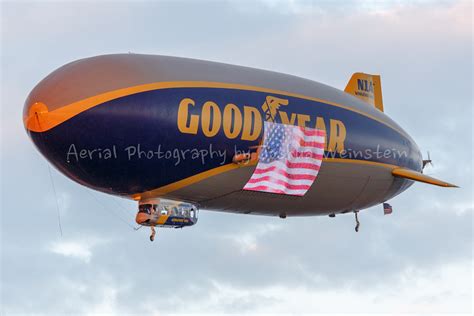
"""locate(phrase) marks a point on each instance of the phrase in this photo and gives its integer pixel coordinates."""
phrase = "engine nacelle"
(166, 213)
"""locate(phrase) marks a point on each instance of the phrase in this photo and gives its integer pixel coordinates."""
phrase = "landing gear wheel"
(153, 232)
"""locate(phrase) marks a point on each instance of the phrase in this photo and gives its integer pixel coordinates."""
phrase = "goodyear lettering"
(187, 123)
(246, 122)
(287, 120)
(337, 129)
(338, 135)
(252, 123)
(211, 120)
(210, 127)
(232, 122)
(322, 126)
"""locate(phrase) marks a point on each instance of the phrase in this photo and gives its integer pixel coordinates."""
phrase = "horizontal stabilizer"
(418, 176)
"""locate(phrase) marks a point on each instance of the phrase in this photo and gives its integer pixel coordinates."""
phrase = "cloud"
(72, 249)
(107, 304)
(413, 291)
(248, 240)
(77, 249)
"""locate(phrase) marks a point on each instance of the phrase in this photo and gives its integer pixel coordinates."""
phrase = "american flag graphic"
(289, 160)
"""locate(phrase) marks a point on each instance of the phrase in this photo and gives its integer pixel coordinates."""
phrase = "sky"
(417, 260)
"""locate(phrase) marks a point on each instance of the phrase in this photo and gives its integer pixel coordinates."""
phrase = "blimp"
(178, 135)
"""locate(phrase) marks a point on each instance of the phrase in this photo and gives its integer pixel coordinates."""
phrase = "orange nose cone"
(36, 117)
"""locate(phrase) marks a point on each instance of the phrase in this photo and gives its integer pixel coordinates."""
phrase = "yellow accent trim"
(162, 219)
(207, 174)
(62, 114)
(417, 176)
(191, 180)
(397, 171)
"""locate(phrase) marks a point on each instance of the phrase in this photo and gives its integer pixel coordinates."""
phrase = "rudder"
(367, 88)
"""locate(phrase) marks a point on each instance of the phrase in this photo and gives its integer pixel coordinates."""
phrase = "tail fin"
(367, 88)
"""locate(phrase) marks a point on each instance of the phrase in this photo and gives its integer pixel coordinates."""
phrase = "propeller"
(427, 161)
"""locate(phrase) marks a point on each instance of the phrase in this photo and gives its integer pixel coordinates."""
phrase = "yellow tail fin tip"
(367, 88)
